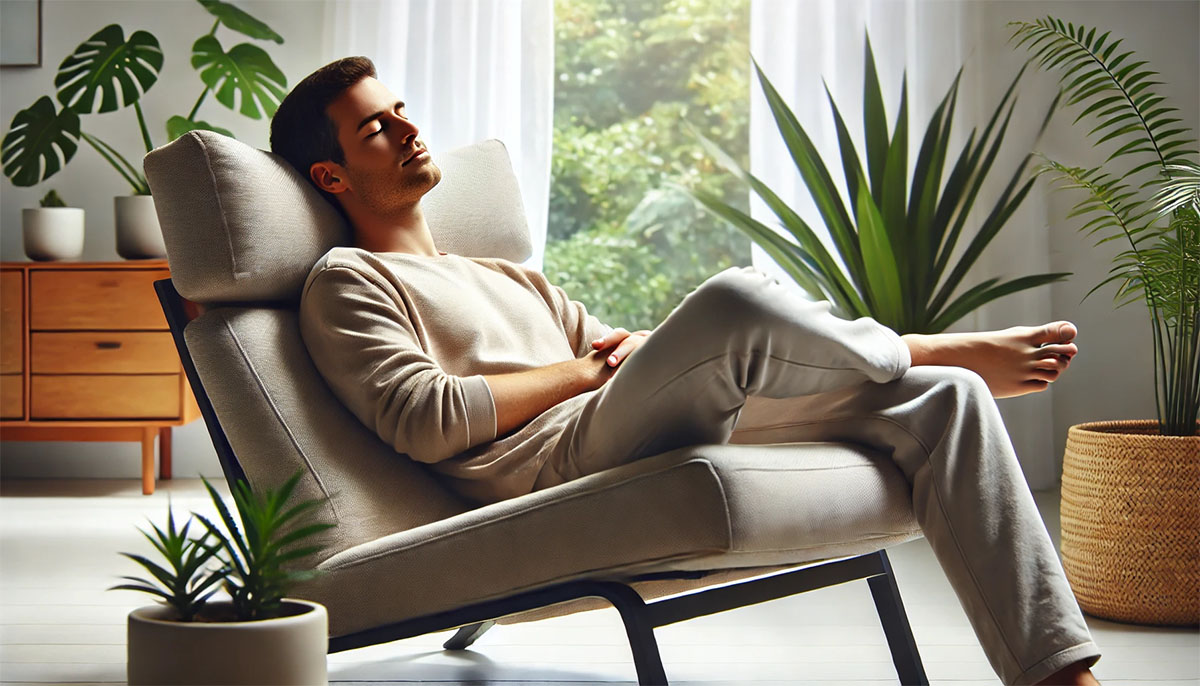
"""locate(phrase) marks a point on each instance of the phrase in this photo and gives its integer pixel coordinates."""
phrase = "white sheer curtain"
(467, 70)
(802, 43)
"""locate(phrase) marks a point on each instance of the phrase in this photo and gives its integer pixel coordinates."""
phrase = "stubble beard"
(386, 193)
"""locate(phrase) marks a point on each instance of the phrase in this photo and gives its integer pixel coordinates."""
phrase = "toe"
(1055, 332)
(1067, 350)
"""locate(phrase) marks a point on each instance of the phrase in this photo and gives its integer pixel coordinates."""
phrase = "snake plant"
(258, 553)
(1146, 195)
(108, 72)
(187, 582)
(897, 231)
(254, 568)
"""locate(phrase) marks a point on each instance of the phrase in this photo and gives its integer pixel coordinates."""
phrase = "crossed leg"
(741, 338)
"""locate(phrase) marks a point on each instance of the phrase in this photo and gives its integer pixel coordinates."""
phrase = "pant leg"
(740, 333)
(941, 427)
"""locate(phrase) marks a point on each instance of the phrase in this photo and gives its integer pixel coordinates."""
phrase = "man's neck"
(404, 232)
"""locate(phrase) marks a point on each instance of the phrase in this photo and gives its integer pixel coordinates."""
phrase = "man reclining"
(504, 385)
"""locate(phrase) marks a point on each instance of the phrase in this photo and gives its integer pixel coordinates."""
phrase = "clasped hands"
(619, 344)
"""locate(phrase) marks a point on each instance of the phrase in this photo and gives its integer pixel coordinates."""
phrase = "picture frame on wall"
(20, 33)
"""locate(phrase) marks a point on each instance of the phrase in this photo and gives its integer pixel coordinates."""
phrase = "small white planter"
(284, 650)
(138, 233)
(53, 233)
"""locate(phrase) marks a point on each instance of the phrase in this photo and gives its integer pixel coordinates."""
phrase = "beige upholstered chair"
(408, 557)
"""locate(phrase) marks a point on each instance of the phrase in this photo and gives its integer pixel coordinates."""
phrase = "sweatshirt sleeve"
(580, 327)
(363, 343)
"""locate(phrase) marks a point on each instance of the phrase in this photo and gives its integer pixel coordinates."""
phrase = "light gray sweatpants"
(744, 360)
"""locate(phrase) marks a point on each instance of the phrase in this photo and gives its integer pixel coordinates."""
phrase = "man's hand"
(521, 396)
(624, 342)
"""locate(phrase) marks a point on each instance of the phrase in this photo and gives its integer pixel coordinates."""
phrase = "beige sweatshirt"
(404, 341)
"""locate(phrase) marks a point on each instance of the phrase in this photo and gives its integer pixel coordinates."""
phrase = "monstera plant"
(108, 72)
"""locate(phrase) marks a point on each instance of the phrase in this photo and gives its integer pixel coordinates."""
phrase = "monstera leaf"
(104, 63)
(177, 126)
(245, 69)
(238, 20)
(36, 140)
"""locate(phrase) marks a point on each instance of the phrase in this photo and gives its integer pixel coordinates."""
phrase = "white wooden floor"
(58, 543)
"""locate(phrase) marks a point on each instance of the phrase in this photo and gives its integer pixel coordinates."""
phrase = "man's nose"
(405, 128)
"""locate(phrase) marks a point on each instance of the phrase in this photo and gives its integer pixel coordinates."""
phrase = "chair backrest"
(242, 231)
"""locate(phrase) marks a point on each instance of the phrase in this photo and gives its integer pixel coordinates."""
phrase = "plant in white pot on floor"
(52, 231)
(257, 635)
(108, 72)
(1131, 489)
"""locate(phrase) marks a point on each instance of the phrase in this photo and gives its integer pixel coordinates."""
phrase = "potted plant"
(257, 635)
(895, 233)
(108, 72)
(52, 231)
(1131, 489)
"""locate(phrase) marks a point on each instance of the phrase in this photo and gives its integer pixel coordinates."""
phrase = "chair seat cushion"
(706, 507)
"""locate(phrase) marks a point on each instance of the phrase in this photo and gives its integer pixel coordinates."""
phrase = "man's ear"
(329, 176)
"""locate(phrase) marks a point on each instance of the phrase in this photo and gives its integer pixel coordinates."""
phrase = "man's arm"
(521, 396)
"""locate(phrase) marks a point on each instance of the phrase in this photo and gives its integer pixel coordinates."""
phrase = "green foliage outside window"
(629, 73)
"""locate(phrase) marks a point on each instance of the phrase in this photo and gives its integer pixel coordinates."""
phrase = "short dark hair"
(301, 131)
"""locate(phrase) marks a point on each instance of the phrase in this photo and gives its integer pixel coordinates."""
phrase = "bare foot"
(1073, 675)
(1013, 361)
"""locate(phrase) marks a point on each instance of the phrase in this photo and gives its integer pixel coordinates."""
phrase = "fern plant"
(899, 227)
(1146, 195)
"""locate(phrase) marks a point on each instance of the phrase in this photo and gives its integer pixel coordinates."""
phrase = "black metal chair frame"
(640, 617)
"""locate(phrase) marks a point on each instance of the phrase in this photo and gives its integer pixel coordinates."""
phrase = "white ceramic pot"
(138, 233)
(284, 650)
(53, 233)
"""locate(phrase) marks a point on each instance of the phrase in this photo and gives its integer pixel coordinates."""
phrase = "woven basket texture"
(1131, 522)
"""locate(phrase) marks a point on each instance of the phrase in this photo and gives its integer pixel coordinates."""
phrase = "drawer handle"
(108, 345)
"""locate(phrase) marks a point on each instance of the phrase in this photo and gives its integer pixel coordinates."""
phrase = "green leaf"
(144, 589)
(874, 122)
(238, 20)
(806, 276)
(842, 292)
(246, 72)
(177, 126)
(977, 297)
(892, 206)
(817, 179)
(104, 63)
(39, 142)
(883, 277)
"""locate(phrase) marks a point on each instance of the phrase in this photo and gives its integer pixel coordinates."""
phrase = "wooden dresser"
(86, 355)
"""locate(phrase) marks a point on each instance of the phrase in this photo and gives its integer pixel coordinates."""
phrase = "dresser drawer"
(12, 396)
(104, 397)
(11, 327)
(105, 300)
(103, 352)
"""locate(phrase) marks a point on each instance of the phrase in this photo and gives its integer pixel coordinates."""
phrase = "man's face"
(386, 166)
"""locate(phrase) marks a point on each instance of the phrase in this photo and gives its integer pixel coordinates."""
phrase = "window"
(629, 73)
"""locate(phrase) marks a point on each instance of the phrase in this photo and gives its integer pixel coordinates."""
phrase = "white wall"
(89, 182)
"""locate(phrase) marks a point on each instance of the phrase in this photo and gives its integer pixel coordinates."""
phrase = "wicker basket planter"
(1131, 522)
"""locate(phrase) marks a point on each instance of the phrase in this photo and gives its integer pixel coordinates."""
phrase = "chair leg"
(467, 635)
(640, 630)
(896, 627)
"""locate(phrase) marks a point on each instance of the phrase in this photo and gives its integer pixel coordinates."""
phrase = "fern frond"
(1180, 189)
(1117, 88)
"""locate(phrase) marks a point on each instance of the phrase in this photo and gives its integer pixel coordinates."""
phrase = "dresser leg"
(164, 452)
(148, 435)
